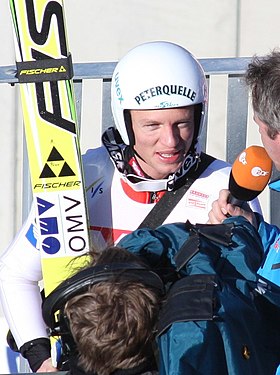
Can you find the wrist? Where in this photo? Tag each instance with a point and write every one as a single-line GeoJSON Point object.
{"type": "Point", "coordinates": [36, 352]}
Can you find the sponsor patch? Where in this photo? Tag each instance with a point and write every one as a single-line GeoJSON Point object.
{"type": "Point", "coordinates": [197, 199]}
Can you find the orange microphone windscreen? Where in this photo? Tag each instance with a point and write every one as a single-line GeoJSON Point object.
{"type": "Point", "coordinates": [250, 173]}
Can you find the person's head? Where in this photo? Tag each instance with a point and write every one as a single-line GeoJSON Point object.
{"type": "Point", "coordinates": [113, 325]}
{"type": "Point", "coordinates": [159, 97]}
{"type": "Point", "coordinates": [111, 311]}
{"type": "Point", "coordinates": [263, 79]}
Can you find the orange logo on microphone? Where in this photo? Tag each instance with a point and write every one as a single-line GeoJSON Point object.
{"type": "Point", "coordinates": [252, 168]}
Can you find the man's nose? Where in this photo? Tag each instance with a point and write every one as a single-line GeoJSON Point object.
{"type": "Point", "coordinates": [169, 135]}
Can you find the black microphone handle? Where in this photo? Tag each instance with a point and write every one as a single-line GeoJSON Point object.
{"type": "Point", "coordinates": [235, 201]}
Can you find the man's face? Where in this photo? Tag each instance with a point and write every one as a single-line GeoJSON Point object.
{"type": "Point", "coordinates": [272, 146]}
{"type": "Point", "coordinates": [162, 138]}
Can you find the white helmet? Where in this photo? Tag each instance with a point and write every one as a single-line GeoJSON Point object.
{"type": "Point", "coordinates": [156, 75]}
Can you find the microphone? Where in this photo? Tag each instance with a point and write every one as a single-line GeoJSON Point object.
{"type": "Point", "coordinates": [249, 175]}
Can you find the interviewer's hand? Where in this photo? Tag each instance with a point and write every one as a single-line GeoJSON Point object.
{"type": "Point", "coordinates": [221, 209]}
{"type": "Point", "coordinates": [47, 366]}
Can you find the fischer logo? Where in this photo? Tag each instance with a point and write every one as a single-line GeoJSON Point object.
{"type": "Point", "coordinates": [258, 172]}
{"type": "Point", "coordinates": [56, 166]}
{"type": "Point", "coordinates": [57, 185]}
{"type": "Point", "coordinates": [62, 69]}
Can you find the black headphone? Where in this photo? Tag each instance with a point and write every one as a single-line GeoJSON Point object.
{"type": "Point", "coordinates": [80, 282]}
{"type": "Point", "coordinates": [53, 305]}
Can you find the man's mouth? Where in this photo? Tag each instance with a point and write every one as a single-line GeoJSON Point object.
{"type": "Point", "coordinates": [169, 156]}
{"type": "Point", "coordinates": [166, 155]}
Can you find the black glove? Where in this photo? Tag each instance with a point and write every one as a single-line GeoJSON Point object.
{"type": "Point", "coordinates": [36, 352]}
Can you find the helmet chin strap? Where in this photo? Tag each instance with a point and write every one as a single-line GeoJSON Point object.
{"type": "Point", "coordinates": [138, 155]}
{"type": "Point", "coordinates": [141, 158]}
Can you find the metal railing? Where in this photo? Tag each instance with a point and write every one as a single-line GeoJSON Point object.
{"type": "Point", "coordinates": [236, 94]}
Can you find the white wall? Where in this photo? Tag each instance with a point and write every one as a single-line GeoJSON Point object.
{"type": "Point", "coordinates": [104, 31]}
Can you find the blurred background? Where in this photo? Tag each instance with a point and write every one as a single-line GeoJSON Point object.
{"type": "Point", "coordinates": [101, 31]}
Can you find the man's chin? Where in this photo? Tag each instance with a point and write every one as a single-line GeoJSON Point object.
{"type": "Point", "coordinates": [167, 172]}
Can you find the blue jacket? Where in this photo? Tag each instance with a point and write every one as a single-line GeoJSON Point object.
{"type": "Point", "coordinates": [213, 321]}
{"type": "Point", "coordinates": [270, 268]}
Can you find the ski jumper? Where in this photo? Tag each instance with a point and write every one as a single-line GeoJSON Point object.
{"type": "Point", "coordinates": [115, 210]}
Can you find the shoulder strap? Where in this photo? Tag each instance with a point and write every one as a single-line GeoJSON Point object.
{"type": "Point", "coordinates": [218, 235]}
{"type": "Point", "coordinates": [194, 295]}
{"type": "Point", "coordinates": [166, 204]}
